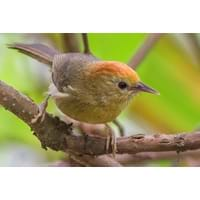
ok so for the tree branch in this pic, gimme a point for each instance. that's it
(144, 49)
(57, 135)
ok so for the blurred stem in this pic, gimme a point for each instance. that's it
(85, 43)
(195, 47)
(96, 161)
(142, 52)
(70, 42)
(139, 158)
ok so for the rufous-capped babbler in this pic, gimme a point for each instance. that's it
(86, 88)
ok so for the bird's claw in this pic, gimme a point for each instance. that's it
(42, 108)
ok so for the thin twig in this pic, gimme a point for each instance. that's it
(85, 43)
(142, 52)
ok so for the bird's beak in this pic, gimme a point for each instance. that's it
(141, 87)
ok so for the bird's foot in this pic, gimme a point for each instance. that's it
(111, 140)
(42, 108)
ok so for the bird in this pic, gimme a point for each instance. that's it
(86, 88)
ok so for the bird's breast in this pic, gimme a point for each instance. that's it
(88, 110)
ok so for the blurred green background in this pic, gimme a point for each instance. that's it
(172, 67)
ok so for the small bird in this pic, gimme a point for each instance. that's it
(85, 88)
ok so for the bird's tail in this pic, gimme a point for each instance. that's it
(39, 52)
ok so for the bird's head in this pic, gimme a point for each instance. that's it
(116, 79)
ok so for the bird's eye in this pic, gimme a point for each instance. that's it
(122, 85)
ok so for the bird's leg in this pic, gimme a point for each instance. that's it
(42, 108)
(111, 139)
(119, 126)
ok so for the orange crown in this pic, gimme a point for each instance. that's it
(114, 69)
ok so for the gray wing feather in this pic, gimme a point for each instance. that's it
(68, 67)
